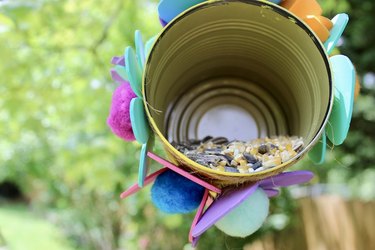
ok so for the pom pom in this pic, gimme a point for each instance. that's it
(119, 116)
(247, 217)
(169, 9)
(173, 193)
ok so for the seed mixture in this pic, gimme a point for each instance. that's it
(238, 156)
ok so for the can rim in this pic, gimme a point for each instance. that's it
(281, 11)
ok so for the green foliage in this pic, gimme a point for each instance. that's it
(55, 96)
(56, 93)
(23, 230)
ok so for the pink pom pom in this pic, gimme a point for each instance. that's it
(119, 116)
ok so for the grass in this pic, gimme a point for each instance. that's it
(20, 229)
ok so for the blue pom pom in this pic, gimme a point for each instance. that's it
(173, 193)
(247, 217)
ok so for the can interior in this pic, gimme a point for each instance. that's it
(240, 69)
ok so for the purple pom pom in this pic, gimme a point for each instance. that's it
(119, 116)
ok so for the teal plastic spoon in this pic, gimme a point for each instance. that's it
(344, 83)
(139, 48)
(339, 23)
(133, 71)
(139, 121)
(318, 153)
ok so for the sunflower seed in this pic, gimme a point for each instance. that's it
(206, 139)
(256, 165)
(231, 170)
(194, 142)
(219, 140)
(250, 158)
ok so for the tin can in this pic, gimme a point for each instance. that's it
(239, 69)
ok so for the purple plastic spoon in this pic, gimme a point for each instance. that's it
(231, 198)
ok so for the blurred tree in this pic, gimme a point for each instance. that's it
(55, 98)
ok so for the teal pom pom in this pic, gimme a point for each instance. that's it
(172, 193)
(247, 217)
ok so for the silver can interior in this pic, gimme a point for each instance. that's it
(239, 69)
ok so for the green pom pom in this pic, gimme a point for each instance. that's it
(247, 217)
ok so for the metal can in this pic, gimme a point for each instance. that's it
(239, 69)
